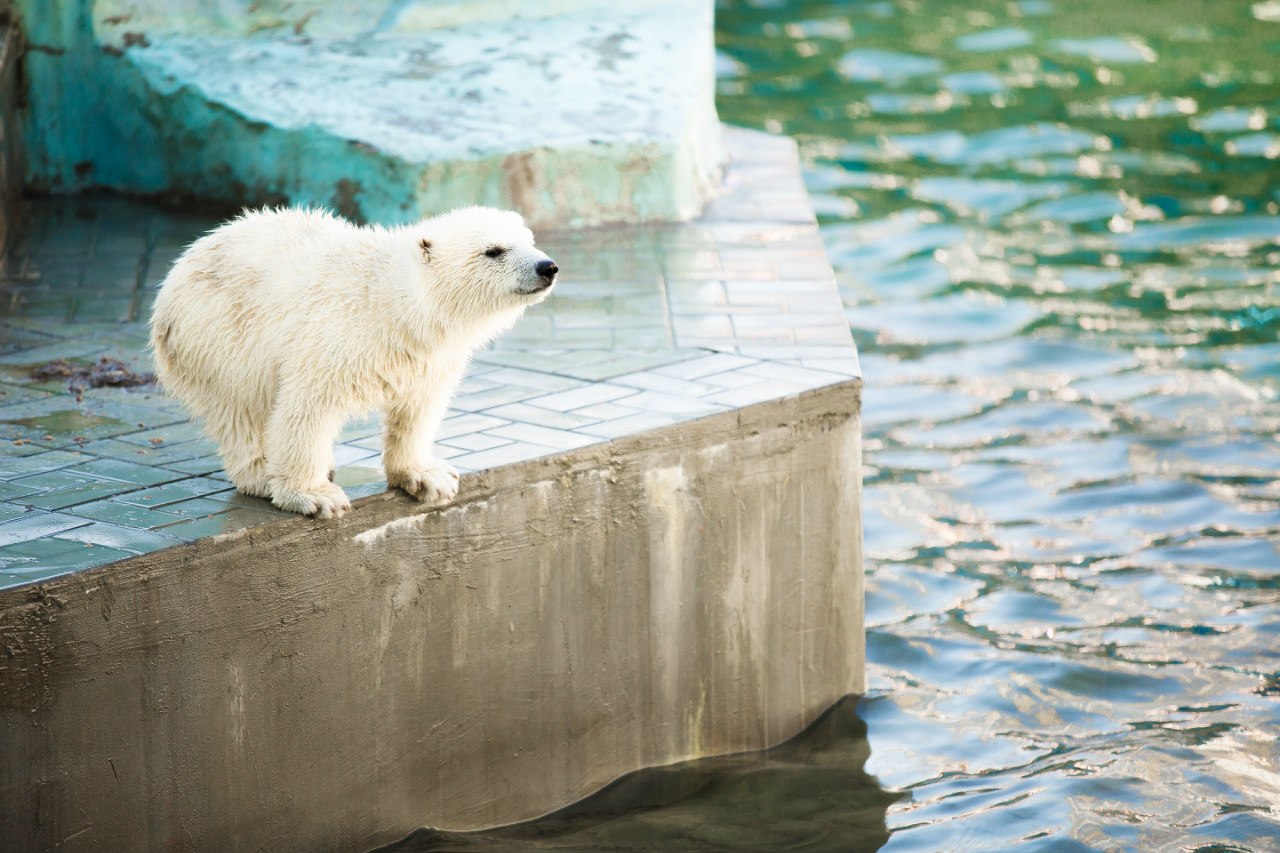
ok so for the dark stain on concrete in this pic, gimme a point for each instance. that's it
(108, 372)
(610, 50)
(520, 181)
(344, 199)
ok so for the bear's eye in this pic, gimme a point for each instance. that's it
(494, 252)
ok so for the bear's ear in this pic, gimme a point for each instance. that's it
(425, 246)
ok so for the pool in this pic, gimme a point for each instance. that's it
(1055, 226)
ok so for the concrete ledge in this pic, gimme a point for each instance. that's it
(332, 686)
(591, 116)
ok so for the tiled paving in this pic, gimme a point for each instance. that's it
(649, 326)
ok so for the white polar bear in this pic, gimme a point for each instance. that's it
(279, 325)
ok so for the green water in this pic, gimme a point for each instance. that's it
(1054, 225)
(1055, 228)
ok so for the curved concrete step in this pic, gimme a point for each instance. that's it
(585, 118)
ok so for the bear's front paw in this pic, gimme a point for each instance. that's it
(434, 482)
(327, 501)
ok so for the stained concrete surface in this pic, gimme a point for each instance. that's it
(811, 793)
(11, 162)
(332, 686)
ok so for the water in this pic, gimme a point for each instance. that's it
(1055, 227)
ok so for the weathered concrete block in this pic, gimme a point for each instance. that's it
(331, 686)
(580, 116)
(11, 167)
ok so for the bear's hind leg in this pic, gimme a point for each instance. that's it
(300, 436)
(242, 446)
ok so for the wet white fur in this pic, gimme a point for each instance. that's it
(280, 325)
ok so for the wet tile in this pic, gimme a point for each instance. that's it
(131, 540)
(35, 524)
(76, 555)
(125, 472)
(179, 490)
(197, 507)
(234, 519)
(123, 514)
(70, 496)
(60, 479)
(200, 466)
(747, 282)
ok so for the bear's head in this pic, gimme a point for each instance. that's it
(482, 261)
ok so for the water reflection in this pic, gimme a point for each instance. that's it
(810, 793)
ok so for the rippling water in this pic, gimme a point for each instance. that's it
(1055, 227)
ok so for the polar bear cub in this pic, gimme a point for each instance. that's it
(279, 325)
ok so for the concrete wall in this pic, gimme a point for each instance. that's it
(330, 686)
(11, 165)
(373, 111)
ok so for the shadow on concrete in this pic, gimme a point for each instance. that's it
(809, 793)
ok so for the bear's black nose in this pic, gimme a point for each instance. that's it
(546, 268)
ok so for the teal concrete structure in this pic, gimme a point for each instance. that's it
(585, 114)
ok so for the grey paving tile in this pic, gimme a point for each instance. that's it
(461, 424)
(845, 366)
(43, 559)
(10, 511)
(540, 416)
(515, 452)
(125, 472)
(49, 352)
(765, 352)
(671, 385)
(35, 524)
(169, 434)
(558, 439)
(358, 481)
(225, 522)
(197, 507)
(673, 404)
(629, 426)
(493, 397)
(200, 466)
(605, 412)
(732, 379)
(703, 366)
(119, 537)
(346, 454)
(474, 441)
(179, 490)
(123, 514)
(49, 480)
(567, 401)
(70, 496)
(768, 389)
(807, 377)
